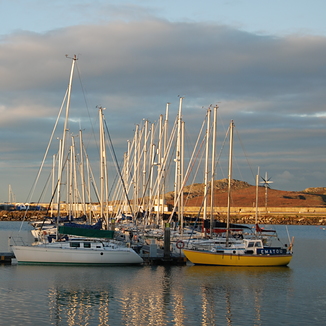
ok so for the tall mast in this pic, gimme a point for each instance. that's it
(152, 156)
(89, 190)
(144, 175)
(58, 173)
(75, 181)
(178, 157)
(229, 181)
(166, 125)
(102, 163)
(70, 182)
(82, 171)
(257, 182)
(181, 209)
(53, 181)
(136, 179)
(213, 167)
(65, 129)
(206, 162)
(159, 167)
(127, 185)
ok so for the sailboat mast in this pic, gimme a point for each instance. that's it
(75, 181)
(82, 172)
(213, 167)
(102, 163)
(136, 179)
(159, 167)
(257, 181)
(229, 181)
(178, 157)
(208, 126)
(53, 181)
(152, 148)
(70, 197)
(65, 129)
(181, 210)
(126, 176)
(144, 172)
(89, 191)
(165, 144)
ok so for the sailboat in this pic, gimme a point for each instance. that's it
(77, 251)
(244, 252)
(88, 247)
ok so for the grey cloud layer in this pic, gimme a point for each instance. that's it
(271, 86)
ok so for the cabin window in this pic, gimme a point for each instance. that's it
(87, 244)
(258, 244)
(98, 247)
(75, 244)
(250, 244)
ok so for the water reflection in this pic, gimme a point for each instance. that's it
(155, 300)
(205, 295)
(77, 307)
(228, 292)
(127, 296)
(186, 295)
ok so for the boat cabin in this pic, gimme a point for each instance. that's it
(251, 245)
(89, 244)
(85, 245)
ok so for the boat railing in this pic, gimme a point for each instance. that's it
(16, 241)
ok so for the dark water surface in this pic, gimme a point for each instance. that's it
(187, 295)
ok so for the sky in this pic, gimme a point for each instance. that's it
(262, 62)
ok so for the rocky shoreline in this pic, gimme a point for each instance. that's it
(283, 219)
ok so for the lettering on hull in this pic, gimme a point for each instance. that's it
(271, 251)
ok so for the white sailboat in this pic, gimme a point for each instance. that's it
(77, 251)
(94, 249)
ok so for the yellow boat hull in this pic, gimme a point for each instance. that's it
(222, 259)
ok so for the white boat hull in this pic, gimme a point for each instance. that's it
(49, 254)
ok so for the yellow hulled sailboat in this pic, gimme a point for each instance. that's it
(253, 251)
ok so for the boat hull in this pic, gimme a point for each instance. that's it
(200, 257)
(67, 256)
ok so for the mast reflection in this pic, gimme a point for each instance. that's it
(191, 295)
(230, 295)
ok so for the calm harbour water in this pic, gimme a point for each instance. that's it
(186, 295)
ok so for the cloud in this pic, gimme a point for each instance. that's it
(266, 84)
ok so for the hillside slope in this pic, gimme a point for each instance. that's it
(244, 195)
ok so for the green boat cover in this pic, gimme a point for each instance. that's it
(89, 233)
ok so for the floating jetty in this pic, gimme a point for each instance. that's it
(161, 261)
(152, 255)
(6, 257)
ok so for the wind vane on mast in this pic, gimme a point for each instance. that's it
(266, 181)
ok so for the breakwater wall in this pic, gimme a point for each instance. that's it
(269, 215)
(244, 215)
